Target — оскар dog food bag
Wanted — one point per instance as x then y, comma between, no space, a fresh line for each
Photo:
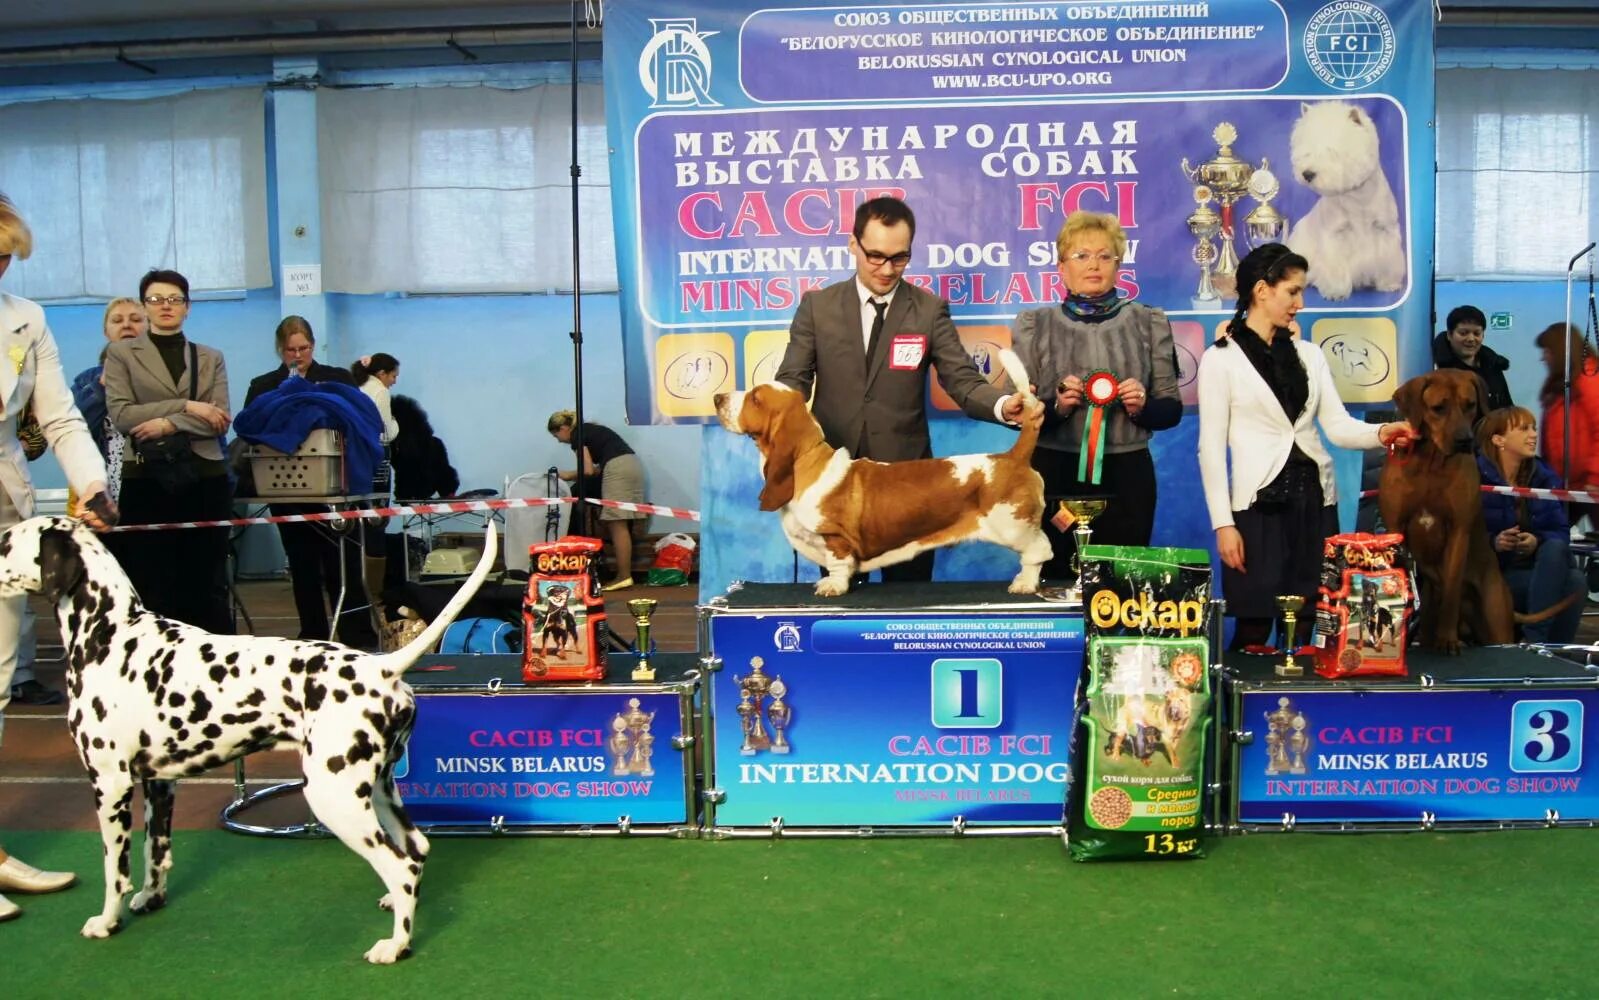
1139,754
564,632
1363,611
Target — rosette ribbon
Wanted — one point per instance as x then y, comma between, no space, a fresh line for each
1099,390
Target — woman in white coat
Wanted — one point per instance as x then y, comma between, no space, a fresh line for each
1263,391
31,375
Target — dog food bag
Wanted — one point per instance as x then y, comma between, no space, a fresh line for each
564,632
1144,710
1364,607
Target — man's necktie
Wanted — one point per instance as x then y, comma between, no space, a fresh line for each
877,328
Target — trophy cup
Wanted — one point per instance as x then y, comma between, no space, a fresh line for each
778,714
752,693
638,727
1228,177
1264,224
1298,744
1204,223
1290,605
1083,512
619,745
641,608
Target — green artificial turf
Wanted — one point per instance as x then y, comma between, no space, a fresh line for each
1286,916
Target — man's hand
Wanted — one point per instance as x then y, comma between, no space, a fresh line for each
214,416
1013,407
98,511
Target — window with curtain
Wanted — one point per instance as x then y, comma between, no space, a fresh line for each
462,189
1518,170
112,188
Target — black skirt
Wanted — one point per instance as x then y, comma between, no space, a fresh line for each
1282,548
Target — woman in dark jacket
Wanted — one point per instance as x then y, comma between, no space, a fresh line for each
421,463
1531,536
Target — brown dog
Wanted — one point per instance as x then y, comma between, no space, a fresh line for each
855,516
1434,498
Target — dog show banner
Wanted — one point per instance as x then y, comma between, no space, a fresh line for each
904,719
1479,755
745,137
545,758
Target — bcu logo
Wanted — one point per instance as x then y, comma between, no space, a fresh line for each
1349,44
675,67
968,694
1546,736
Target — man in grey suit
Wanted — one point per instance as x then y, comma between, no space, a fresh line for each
865,345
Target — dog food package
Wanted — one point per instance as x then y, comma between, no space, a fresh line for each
1364,606
1144,707
564,634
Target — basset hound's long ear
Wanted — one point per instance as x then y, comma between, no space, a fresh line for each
1408,401
777,443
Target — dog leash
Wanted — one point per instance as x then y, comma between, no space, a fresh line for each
1401,447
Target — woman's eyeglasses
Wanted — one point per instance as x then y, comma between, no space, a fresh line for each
1083,257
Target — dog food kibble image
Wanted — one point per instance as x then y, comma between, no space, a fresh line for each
1111,808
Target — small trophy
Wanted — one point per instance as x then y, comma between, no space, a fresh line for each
1083,512
1204,223
1264,224
778,714
619,745
1298,744
641,608
1290,604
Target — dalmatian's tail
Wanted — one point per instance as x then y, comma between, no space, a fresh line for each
398,662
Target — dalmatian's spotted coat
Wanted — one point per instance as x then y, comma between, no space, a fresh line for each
154,700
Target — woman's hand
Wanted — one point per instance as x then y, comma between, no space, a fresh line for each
1526,543
1230,546
1133,396
97,510
1507,540
1388,432
215,417
567,475
155,427
1068,395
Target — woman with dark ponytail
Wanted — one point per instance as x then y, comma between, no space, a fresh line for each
375,375
1263,391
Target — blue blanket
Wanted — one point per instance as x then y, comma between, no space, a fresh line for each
285,417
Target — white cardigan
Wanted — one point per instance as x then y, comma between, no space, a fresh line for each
380,396
1238,413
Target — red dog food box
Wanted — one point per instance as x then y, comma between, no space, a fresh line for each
563,614
1363,611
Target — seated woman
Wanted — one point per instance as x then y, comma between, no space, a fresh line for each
1096,329
1531,536
621,475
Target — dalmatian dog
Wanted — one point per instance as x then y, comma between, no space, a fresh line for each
154,700
1351,235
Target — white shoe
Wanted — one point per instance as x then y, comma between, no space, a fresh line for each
9,910
18,876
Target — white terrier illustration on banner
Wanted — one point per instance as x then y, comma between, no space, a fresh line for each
1351,236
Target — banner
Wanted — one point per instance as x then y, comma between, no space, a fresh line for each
745,138
1388,756
910,720
545,759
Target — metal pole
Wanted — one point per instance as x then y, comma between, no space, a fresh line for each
578,484
1571,268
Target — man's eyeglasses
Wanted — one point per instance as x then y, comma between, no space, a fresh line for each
1083,257
876,259
165,300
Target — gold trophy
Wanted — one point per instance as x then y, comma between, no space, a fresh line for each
631,743
1290,604
1083,512
779,714
641,608
1228,177
1264,224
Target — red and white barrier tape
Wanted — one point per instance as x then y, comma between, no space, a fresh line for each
1578,496
441,507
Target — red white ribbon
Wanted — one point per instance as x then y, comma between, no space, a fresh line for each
441,507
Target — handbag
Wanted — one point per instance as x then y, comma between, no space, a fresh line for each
169,460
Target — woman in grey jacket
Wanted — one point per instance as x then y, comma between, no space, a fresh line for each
1112,370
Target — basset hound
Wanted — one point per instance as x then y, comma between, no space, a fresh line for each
857,515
